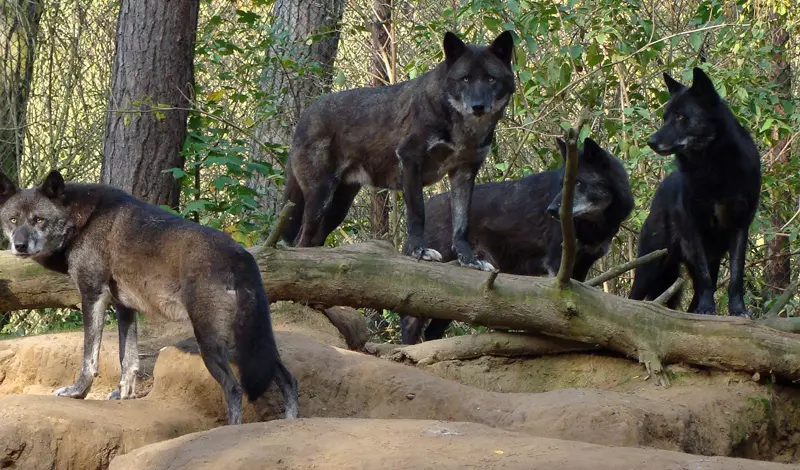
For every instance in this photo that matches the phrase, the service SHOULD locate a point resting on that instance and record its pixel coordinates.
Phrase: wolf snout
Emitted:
(21, 248)
(553, 209)
(478, 109)
(659, 147)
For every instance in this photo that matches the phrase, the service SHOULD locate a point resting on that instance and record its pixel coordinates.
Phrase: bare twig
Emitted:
(567, 196)
(275, 234)
(670, 292)
(625, 267)
(489, 283)
(784, 299)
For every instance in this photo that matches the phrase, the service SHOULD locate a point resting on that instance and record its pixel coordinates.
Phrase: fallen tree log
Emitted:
(461, 348)
(373, 275)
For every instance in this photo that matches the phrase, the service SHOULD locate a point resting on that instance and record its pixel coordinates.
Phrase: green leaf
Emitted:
(196, 206)
(696, 40)
(340, 79)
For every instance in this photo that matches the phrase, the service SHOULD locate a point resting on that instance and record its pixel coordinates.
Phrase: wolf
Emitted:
(704, 208)
(515, 224)
(405, 136)
(139, 257)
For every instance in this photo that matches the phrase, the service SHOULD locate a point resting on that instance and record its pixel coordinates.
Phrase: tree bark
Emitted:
(382, 71)
(152, 69)
(19, 27)
(778, 268)
(296, 21)
(374, 275)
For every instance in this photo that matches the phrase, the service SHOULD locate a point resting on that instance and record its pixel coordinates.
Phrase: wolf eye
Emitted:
(465, 79)
(13, 220)
(492, 79)
(679, 117)
(37, 220)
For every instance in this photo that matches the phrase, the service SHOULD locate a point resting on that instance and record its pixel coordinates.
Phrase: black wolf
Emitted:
(140, 257)
(404, 136)
(515, 226)
(704, 209)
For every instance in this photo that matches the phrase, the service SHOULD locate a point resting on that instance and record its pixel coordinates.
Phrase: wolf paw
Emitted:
(427, 254)
(115, 395)
(706, 310)
(740, 312)
(73, 391)
(479, 265)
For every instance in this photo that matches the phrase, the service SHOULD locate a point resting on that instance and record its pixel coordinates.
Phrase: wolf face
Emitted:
(689, 118)
(593, 193)
(35, 220)
(479, 79)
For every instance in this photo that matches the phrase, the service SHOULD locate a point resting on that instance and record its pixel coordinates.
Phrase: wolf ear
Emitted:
(701, 81)
(562, 147)
(592, 152)
(454, 47)
(53, 185)
(503, 47)
(7, 188)
(673, 85)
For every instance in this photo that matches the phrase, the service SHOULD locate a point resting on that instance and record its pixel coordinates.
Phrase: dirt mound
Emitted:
(46, 433)
(37, 365)
(400, 444)
(340, 383)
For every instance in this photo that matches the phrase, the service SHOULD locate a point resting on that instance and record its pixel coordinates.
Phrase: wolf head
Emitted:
(598, 172)
(479, 79)
(689, 117)
(35, 220)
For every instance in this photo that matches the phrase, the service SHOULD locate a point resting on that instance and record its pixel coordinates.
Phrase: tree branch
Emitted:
(374, 275)
(670, 292)
(567, 197)
(784, 299)
(625, 267)
(280, 223)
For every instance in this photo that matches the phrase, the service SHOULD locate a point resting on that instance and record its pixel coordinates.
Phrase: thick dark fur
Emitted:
(704, 209)
(404, 136)
(515, 226)
(140, 257)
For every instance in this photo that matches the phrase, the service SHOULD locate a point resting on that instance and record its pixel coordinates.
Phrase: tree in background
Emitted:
(151, 88)
(383, 70)
(307, 34)
(19, 25)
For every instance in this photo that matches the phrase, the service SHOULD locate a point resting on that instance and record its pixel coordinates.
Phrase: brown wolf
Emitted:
(404, 136)
(140, 257)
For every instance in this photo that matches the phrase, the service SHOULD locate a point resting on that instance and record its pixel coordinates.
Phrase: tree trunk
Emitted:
(152, 70)
(296, 21)
(19, 26)
(382, 70)
(778, 267)
(374, 275)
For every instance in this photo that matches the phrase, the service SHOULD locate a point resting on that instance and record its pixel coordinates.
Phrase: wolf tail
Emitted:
(295, 194)
(256, 352)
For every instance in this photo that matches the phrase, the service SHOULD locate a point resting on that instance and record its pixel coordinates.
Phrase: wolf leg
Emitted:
(738, 249)
(215, 358)
(697, 263)
(411, 329)
(462, 181)
(128, 353)
(318, 199)
(288, 385)
(93, 308)
(415, 205)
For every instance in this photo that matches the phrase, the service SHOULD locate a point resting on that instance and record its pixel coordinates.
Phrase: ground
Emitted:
(586, 399)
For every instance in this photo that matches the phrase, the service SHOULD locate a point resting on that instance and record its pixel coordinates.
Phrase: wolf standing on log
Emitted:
(139, 257)
(405, 136)
(705, 208)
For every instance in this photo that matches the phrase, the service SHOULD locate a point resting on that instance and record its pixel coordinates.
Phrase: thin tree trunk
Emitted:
(296, 21)
(382, 74)
(778, 267)
(152, 70)
(19, 26)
